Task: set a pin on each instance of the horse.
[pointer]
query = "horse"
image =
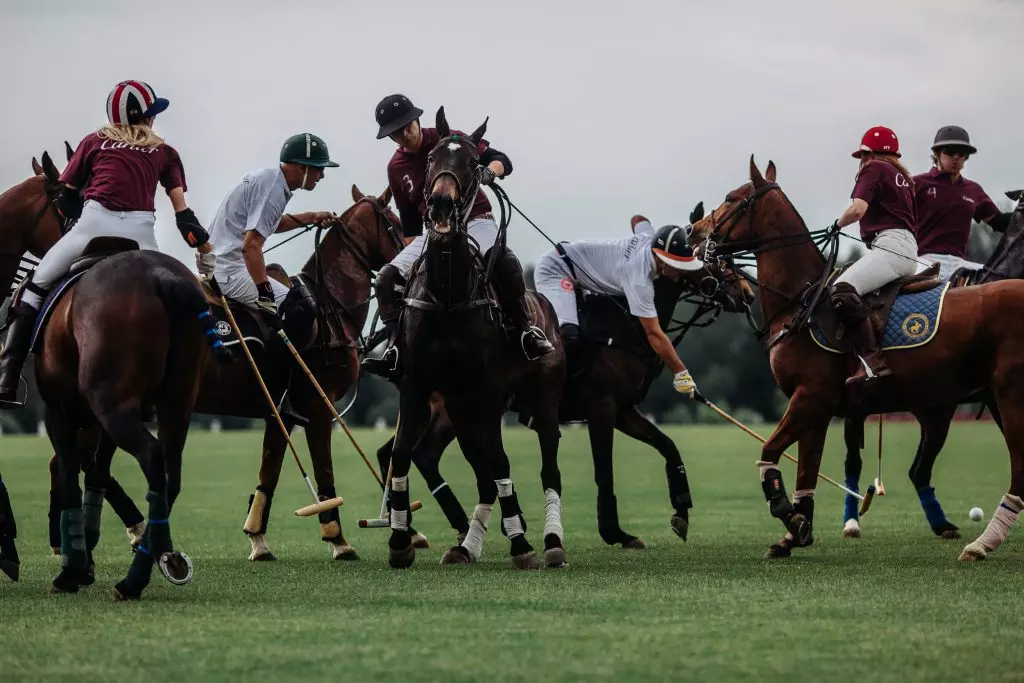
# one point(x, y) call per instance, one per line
point(1006, 262)
point(976, 346)
point(604, 389)
point(124, 339)
point(451, 341)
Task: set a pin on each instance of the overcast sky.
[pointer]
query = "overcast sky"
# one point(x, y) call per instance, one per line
point(606, 108)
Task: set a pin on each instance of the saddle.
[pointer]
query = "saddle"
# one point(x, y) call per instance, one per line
point(880, 301)
point(97, 250)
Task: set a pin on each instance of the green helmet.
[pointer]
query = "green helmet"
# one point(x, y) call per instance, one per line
point(306, 149)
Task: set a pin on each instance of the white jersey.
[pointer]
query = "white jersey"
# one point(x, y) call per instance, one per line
point(621, 267)
point(257, 203)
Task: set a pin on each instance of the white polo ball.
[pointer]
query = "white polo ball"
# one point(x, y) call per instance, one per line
point(976, 514)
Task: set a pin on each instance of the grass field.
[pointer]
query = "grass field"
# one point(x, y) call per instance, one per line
point(892, 606)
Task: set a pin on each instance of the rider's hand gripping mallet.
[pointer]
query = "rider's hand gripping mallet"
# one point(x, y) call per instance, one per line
point(318, 505)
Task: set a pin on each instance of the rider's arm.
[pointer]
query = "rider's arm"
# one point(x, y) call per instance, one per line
point(661, 344)
point(178, 203)
point(252, 253)
point(854, 212)
point(497, 161)
point(294, 221)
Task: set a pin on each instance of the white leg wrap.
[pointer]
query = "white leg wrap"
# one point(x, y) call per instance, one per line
point(400, 483)
point(803, 493)
point(999, 527)
point(513, 527)
point(764, 466)
point(504, 487)
point(399, 520)
point(474, 542)
point(553, 514)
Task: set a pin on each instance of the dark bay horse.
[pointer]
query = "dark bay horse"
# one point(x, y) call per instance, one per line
point(451, 340)
point(124, 341)
point(1005, 263)
point(976, 348)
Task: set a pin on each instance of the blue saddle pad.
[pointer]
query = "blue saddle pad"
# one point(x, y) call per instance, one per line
point(55, 295)
point(913, 321)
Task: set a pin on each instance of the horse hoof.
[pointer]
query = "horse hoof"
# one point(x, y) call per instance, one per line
point(346, 553)
point(554, 558)
point(950, 534)
point(456, 555)
point(176, 567)
point(633, 543)
point(11, 568)
point(122, 593)
point(680, 526)
point(780, 550)
point(851, 529)
point(401, 559)
point(800, 528)
point(265, 556)
point(528, 560)
point(68, 581)
point(135, 534)
point(88, 577)
point(973, 552)
point(420, 542)
point(460, 539)
point(56, 550)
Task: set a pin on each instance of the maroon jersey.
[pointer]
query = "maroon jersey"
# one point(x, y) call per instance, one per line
point(890, 202)
point(407, 173)
point(945, 210)
point(122, 177)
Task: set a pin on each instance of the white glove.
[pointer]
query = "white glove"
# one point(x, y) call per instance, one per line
point(683, 383)
point(206, 263)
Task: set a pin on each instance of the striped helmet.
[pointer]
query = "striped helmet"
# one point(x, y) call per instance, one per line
point(132, 101)
point(671, 246)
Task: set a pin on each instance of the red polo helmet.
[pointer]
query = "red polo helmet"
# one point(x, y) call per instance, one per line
point(880, 140)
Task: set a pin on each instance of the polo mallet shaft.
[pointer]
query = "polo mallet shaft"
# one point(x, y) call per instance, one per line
point(330, 406)
point(760, 438)
point(266, 395)
point(879, 486)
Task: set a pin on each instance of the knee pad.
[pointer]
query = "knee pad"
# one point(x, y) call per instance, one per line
point(847, 303)
point(390, 291)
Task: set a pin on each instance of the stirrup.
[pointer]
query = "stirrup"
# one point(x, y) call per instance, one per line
point(10, 401)
point(386, 366)
point(544, 346)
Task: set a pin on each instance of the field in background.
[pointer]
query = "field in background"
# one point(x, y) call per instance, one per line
point(894, 605)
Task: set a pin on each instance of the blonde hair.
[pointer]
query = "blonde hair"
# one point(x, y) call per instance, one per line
point(892, 160)
point(137, 134)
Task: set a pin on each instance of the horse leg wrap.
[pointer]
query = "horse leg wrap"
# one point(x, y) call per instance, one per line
point(92, 509)
point(553, 515)
point(453, 511)
point(851, 510)
point(158, 527)
point(803, 504)
point(933, 511)
point(678, 489)
point(775, 492)
point(330, 520)
point(259, 512)
point(141, 569)
point(72, 539)
point(512, 522)
point(53, 518)
point(999, 527)
point(400, 514)
point(474, 542)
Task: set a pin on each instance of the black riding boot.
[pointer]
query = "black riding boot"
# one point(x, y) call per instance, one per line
point(572, 342)
point(12, 359)
point(511, 289)
point(390, 291)
point(856, 319)
point(282, 386)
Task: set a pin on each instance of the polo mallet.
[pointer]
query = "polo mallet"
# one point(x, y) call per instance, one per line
point(865, 500)
point(415, 505)
point(879, 486)
point(318, 505)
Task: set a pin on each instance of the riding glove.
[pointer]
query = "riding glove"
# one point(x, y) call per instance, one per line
point(487, 176)
point(190, 228)
point(683, 383)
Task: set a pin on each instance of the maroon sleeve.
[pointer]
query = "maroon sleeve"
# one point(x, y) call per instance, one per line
point(986, 209)
point(482, 146)
point(173, 173)
point(867, 184)
point(76, 173)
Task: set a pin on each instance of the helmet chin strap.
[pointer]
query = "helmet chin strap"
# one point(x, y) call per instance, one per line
point(305, 174)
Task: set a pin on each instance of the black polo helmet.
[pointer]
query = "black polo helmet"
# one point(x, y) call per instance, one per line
point(394, 113)
point(953, 136)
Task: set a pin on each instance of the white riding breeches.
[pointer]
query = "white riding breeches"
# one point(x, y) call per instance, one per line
point(948, 264)
point(893, 254)
point(95, 221)
point(483, 231)
point(554, 280)
point(238, 285)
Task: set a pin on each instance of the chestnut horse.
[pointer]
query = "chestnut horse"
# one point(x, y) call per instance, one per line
point(976, 348)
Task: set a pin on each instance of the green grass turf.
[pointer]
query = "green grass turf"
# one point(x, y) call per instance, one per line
point(893, 606)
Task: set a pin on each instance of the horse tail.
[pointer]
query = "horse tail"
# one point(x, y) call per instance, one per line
point(184, 300)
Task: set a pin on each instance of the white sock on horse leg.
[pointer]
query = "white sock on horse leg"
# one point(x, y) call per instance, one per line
point(504, 487)
point(802, 493)
point(553, 514)
point(399, 518)
point(764, 466)
point(1003, 518)
point(474, 541)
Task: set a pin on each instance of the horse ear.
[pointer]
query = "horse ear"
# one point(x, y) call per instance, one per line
point(697, 213)
point(385, 196)
point(356, 194)
point(441, 123)
point(49, 169)
point(478, 134)
point(755, 174)
point(69, 151)
point(769, 173)
point(36, 168)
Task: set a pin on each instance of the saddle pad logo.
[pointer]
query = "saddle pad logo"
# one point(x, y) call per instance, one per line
point(567, 284)
point(916, 325)
point(223, 328)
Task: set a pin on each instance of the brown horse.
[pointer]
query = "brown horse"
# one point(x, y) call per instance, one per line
point(28, 222)
point(975, 348)
point(125, 340)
